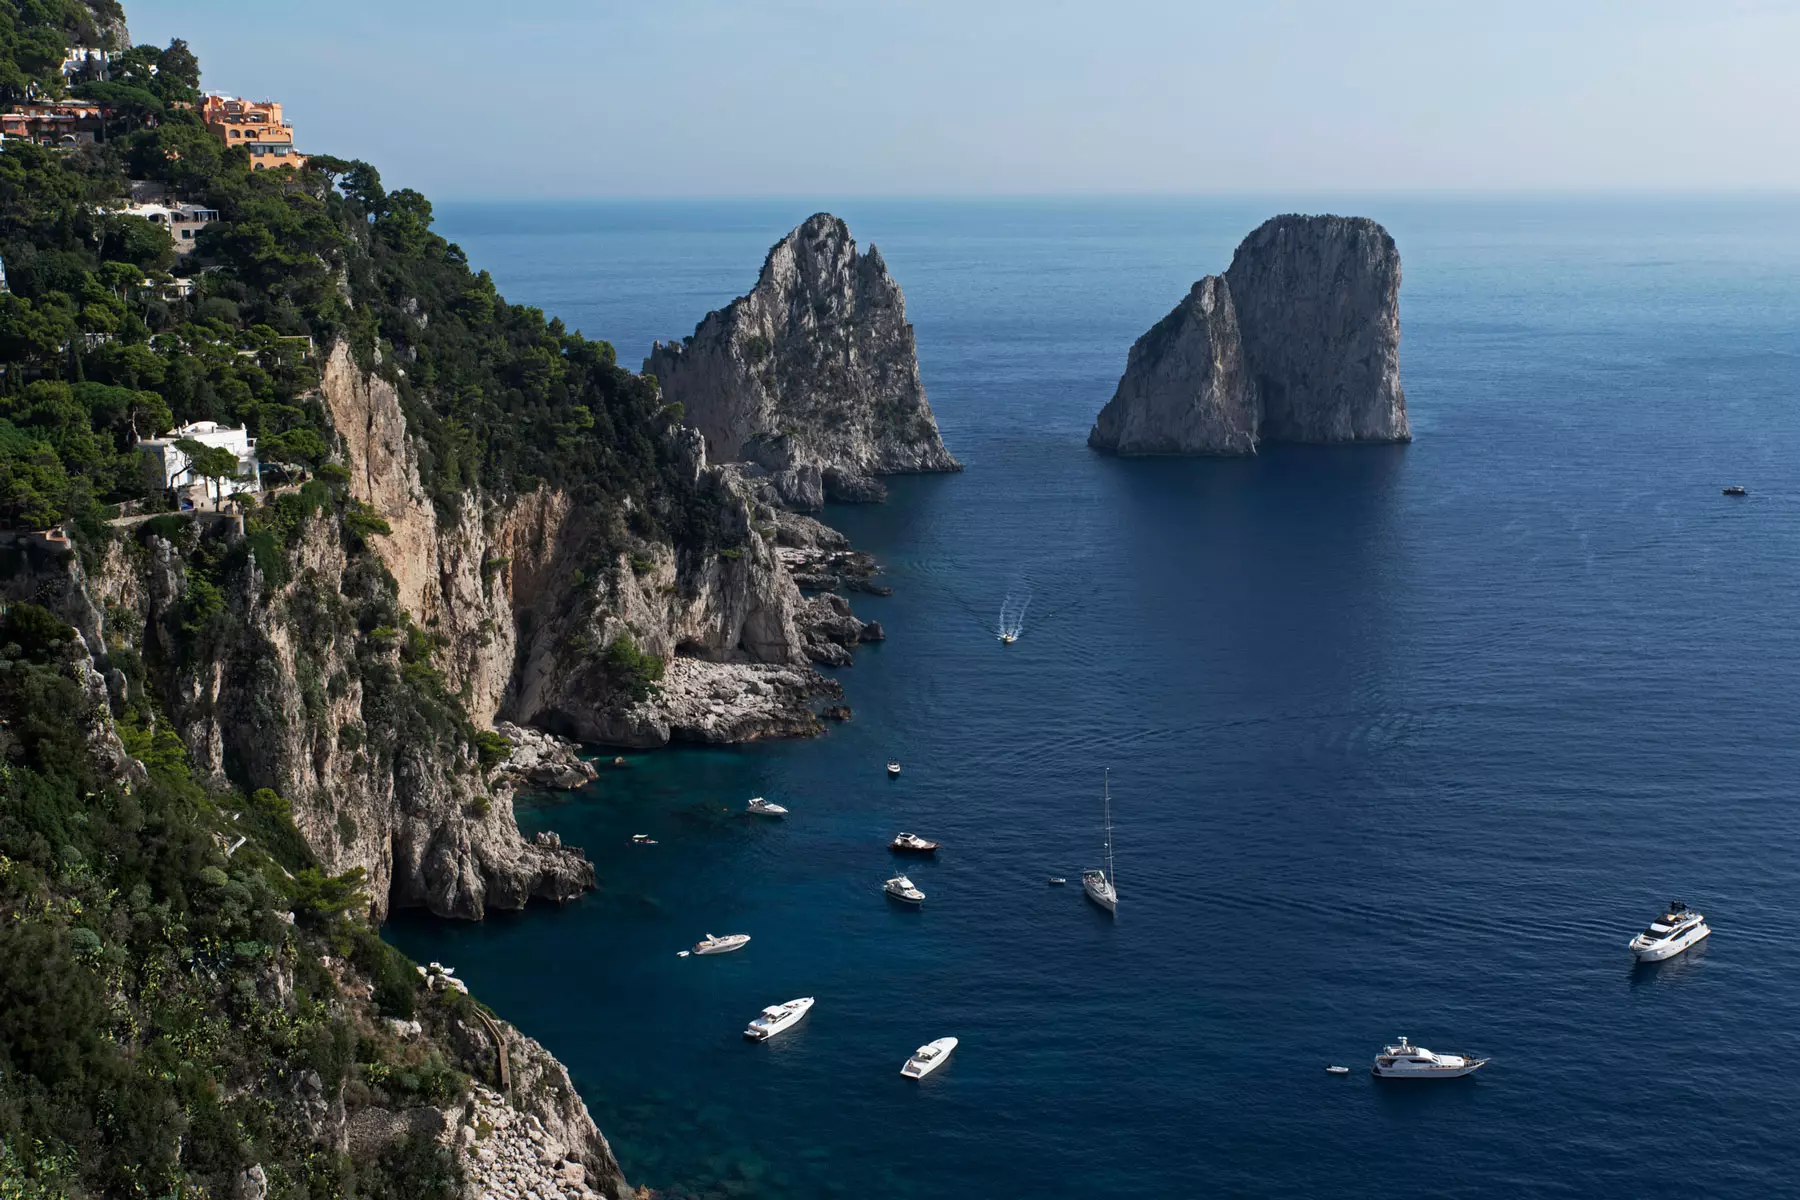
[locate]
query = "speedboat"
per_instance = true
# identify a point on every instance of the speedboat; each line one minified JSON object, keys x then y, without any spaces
{"x":1337,"y":1070}
{"x":912,"y":843}
{"x":1009,"y":638}
{"x":1407,"y":1061}
{"x":1098,"y":882}
{"x":764,"y":808}
{"x":1670,"y":934}
{"x":1736,"y":489}
{"x":893,"y":767}
{"x":721,"y":945}
{"x":928,"y":1058}
{"x":776,"y":1018}
{"x":1057,"y":881}
{"x":901,"y":888}
{"x":642,"y":839}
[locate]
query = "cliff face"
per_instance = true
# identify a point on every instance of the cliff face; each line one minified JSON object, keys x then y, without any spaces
{"x":1185,"y":389}
{"x":813,"y":375}
{"x":1299,"y":341}
{"x":1318,"y":299}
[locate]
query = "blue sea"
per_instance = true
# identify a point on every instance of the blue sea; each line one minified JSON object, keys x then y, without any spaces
{"x":1402,"y":739}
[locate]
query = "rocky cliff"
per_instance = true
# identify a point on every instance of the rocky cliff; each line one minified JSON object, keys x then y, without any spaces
{"x":1318,"y":300}
{"x":813,"y":375}
{"x":1185,"y":389}
{"x":1299,"y":341}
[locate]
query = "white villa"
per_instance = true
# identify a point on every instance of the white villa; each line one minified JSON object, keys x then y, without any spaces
{"x":182,"y":221}
{"x":176,"y":472}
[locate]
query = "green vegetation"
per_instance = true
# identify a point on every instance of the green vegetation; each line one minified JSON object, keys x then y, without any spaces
{"x":631,"y":670}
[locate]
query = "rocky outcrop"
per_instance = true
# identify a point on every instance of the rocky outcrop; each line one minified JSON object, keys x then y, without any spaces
{"x":543,"y":758}
{"x":812,"y":376}
{"x":1185,"y":389}
{"x":1318,"y":299}
{"x":1299,"y":341}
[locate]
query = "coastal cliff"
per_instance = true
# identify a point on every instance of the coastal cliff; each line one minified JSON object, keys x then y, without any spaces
{"x":812,"y":376}
{"x":1299,"y":341}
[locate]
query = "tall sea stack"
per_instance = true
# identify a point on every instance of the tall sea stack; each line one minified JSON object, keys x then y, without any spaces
{"x":1299,"y":341}
{"x":813,"y":375}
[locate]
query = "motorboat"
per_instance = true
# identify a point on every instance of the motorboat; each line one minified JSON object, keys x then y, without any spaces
{"x":1057,"y":881}
{"x":1009,"y":638}
{"x":1736,"y":489}
{"x":912,"y":843}
{"x":776,"y":1018}
{"x":1099,"y":882}
{"x":765,"y":808}
{"x":1407,"y":1061}
{"x":721,"y":945}
{"x":642,"y":839}
{"x":901,"y":888}
{"x":893,"y":767}
{"x":928,"y":1058}
{"x":1337,"y":1070}
{"x":1670,"y":934}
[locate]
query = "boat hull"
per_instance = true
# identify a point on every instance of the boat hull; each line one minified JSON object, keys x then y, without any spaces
{"x":1101,"y":894}
{"x":1468,"y":1068}
{"x":1667,"y":950}
{"x":730,"y":948}
{"x":900,"y":849}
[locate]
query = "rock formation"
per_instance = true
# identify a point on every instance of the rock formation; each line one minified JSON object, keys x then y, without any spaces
{"x":1185,"y":389}
{"x":1299,"y":341}
{"x":813,"y":376}
{"x":1318,"y":300}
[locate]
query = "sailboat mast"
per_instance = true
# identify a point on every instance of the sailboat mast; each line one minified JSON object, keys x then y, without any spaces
{"x":1106,"y":800}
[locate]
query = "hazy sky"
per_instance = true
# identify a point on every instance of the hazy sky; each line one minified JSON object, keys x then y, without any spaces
{"x":944,"y":97}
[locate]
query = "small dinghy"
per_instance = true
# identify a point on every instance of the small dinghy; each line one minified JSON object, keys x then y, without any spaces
{"x":764,"y":808}
{"x":1736,"y":489}
{"x":1337,"y":1070}
{"x":893,"y":767}
{"x":1057,"y":881}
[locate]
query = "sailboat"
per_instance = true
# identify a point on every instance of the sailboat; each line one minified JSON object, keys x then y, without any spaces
{"x":1099,"y":883}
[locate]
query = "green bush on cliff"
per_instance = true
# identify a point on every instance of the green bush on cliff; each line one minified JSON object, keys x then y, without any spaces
{"x":631,"y":670}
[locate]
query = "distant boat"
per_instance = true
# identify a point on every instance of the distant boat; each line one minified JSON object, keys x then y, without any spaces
{"x":928,"y":1058}
{"x":764,"y":808}
{"x":1009,"y":638}
{"x":912,"y":843}
{"x":778,"y":1017}
{"x":901,"y":888}
{"x":1337,"y":1070}
{"x":721,"y":945}
{"x":1736,"y":489}
{"x":642,"y":839}
{"x":1057,"y":881}
{"x":1407,"y":1061}
{"x":1100,"y":884}
{"x":893,"y":767}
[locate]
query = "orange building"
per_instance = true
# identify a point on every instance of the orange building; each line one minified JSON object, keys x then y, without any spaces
{"x":258,"y":128}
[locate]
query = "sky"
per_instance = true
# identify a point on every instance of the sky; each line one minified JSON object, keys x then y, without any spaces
{"x":661,"y":98}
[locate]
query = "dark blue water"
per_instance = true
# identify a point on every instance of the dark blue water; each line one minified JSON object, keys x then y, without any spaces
{"x":1403,"y":740}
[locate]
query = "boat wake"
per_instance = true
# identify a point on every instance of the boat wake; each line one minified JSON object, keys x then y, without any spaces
{"x":1012,"y":617}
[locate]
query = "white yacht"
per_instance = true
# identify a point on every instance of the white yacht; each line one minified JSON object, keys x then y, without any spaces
{"x":778,"y":1017}
{"x":928,"y":1058}
{"x":1670,"y":934}
{"x":901,"y":888}
{"x":1407,"y":1061}
{"x":1100,"y":883}
{"x":765,"y":808}
{"x":721,"y":945}
{"x":893,"y":767}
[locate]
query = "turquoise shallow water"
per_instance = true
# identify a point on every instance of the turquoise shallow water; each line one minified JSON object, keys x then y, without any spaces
{"x":1404,"y":740}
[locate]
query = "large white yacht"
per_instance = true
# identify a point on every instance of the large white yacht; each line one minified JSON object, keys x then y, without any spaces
{"x":928,"y":1058}
{"x":723,"y":944}
{"x":778,"y":1017}
{"x":1670,"y":934}
{"x":765,"y":808}
{"x":1098,"y":882}
{"x":1407,"y":1061}
{"x":901,"y":888}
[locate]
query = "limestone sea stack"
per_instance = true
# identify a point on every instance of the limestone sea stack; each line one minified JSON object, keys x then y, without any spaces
{"x":1299,"y":341}
{"x":812,"y":376}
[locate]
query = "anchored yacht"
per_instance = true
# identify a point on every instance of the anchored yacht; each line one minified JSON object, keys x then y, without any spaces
{"x":764,"y":808}
{"x":912,"y":843}
{"x":1670,"y":934}
{"x":776,"y":1018}
{"x":901,"y":888}
{"x":928,"y":1058}
{"x":1098,"y":882}
{"x":1407,"y":1061}
{"x":721,"y":945}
